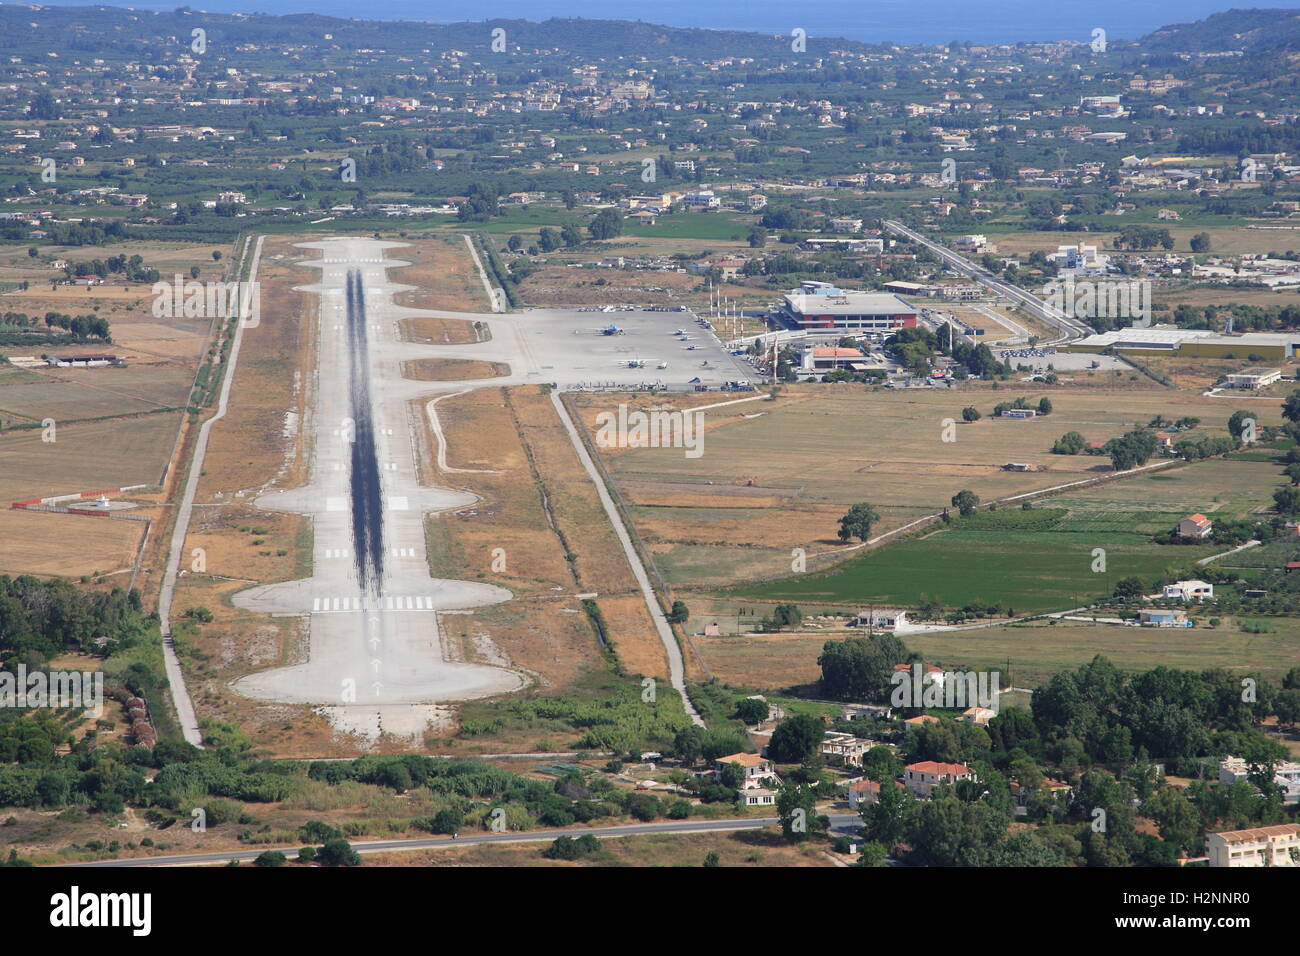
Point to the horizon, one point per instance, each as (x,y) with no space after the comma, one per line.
(896,21)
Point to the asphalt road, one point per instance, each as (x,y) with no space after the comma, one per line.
(842,824)
(185,714)
(1070,328)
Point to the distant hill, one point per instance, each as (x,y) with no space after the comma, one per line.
(1253,31)
(98,29)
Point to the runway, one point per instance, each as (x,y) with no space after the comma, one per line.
(376,662)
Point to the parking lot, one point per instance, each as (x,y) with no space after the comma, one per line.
(643,348)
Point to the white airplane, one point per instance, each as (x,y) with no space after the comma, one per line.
(633,363)
(662,365)
(680,332)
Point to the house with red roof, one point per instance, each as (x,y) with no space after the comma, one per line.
(921,778)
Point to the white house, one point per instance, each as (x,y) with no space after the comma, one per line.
(758,770)
(844,749)
(1286,775)
(1188,591)
(885,618)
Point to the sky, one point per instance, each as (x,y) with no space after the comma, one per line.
(900,21)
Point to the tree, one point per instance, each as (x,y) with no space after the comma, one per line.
(712,859)
(751,710)
(858,521)
(970,414)
(1237,423)
(1201,242)
(785,615)
(607,224)
(1287,500)
(1291,407)
(966,501)
(688,744)
(873,854)
(680,613)
(548,240)
(859,669)
(796,807)
(1044,406)
(796,738)
(885,821)
(880,764)
(270,858)
(1129,589)
(1132,449)
(1071,443)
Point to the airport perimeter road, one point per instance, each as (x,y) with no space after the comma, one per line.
(1071,328)
(185,714)
(845,824)
(676,665)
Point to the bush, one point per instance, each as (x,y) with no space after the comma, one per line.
(270,858)
(314,831)
(338,853)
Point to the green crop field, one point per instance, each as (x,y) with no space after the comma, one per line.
(1028,570)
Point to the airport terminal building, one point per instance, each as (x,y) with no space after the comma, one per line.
(820,306)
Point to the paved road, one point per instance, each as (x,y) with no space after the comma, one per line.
(841,824)
(1070,328)
(175,676)
(676,666)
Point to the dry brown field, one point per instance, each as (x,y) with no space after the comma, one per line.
(257,447)
(780,480)
(452,370)
(432,331)
(442,275)
(41,543)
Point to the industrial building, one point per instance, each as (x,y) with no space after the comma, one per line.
(1201,343)
(819,305)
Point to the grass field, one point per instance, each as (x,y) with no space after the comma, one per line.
(1028,570)
(1026,654)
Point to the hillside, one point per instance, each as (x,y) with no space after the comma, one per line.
(1252,31)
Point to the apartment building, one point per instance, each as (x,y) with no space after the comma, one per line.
(1277,845)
